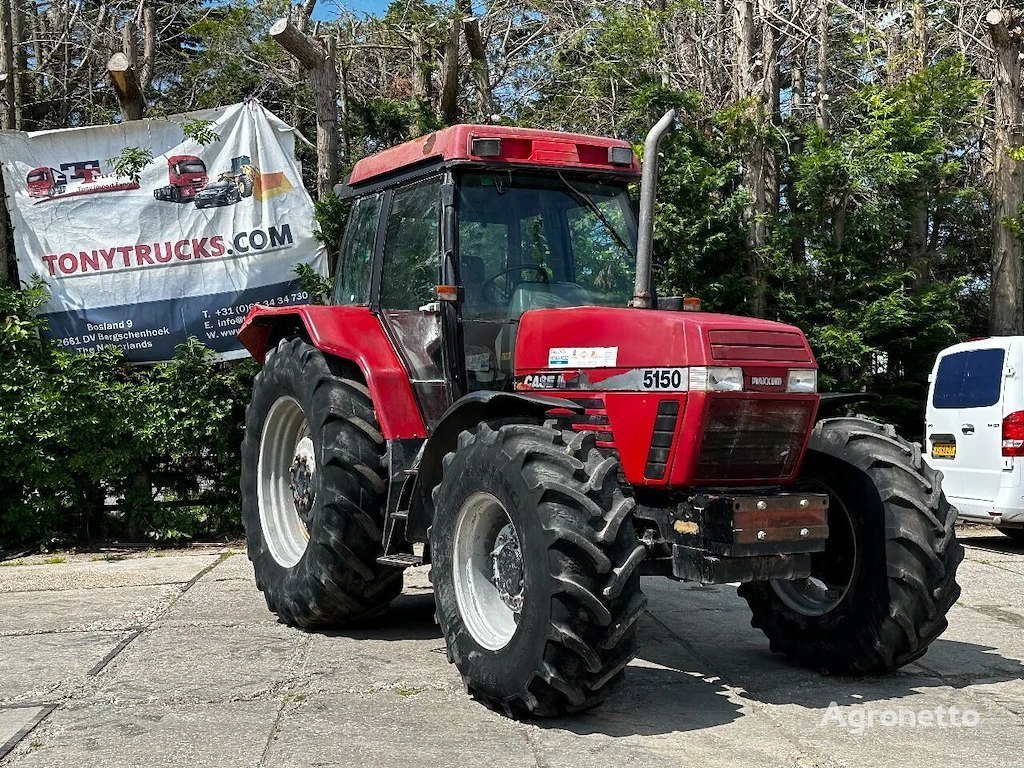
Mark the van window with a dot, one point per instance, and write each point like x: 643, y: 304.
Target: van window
x: 969, y: 379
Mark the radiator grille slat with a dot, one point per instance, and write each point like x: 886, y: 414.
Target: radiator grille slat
x: 752, y: 439
x: 770, y: 346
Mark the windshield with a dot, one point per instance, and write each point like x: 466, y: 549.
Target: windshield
x: 529, y: 241
x: 191, y: 167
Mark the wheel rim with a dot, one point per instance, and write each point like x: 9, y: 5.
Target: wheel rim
x: 286, y: 486
x: 490, y: 582
x: 832, y: 571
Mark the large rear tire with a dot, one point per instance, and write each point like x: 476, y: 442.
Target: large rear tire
x: 313, y: 490
x: 879, y: 593
x: 535, y: 569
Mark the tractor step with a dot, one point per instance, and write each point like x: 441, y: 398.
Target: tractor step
x: 401, y: 560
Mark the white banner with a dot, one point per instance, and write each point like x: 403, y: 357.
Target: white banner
x: 206, y: 232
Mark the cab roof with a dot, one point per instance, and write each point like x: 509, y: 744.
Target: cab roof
x: 526, y: 147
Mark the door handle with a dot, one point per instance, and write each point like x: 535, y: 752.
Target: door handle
x: 967, y: 429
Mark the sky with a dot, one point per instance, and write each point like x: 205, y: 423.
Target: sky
x: 329, y: 10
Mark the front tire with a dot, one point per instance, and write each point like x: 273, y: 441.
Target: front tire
x: 879, y: 593
x: 313, y: 490
x: 535, y: 569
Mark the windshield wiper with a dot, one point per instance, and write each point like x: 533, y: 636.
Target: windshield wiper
x: 585, y: 199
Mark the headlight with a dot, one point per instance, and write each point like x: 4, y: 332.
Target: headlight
x: 802, y: 380
x: 716, y: 379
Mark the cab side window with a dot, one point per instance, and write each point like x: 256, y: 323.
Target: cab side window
x: 352, y: 281
x: 412, y: 247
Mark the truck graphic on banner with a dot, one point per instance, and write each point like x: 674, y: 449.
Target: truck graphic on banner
x: 79, y: 177
x: 187, y: 176
x: 46, y: 182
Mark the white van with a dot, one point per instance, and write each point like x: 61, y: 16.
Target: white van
x: 975, y: 430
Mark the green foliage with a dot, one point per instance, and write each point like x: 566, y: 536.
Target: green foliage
x: 331, y: 214
x: 316, y: 285
x: 130, y: 162
x: 77, y: 430
x: 200, y: 132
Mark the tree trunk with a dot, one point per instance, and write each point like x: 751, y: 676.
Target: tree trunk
x: 1008, y: 174
x: 920, y: 261
x: 7, y: 65
x: 318, y: 57
x: 450, y: 83
x: 38, y: 23
x: 743, y: 27
x: 8, y: 262
x: 798, y: 85
x: 148, y: 47
x: 421, y: 86
x: 343, y: 93
x: 20, y: 62
x: 126, y: 84
x: 756, y: 81
x: 480, y: 70
x: 821, y: 84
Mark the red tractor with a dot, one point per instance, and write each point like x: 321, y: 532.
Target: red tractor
x: 497, y: 391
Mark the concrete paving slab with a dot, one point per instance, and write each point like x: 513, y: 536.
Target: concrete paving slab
x: 676, y: 724
x: 235, y: 567
x: 706, y: 630
x: 227, y: 601
x: 36, y: 666
x: 104, y: 608
x: 400, y: 730
x: 174, y: 664
x: 403, y: 650
x: 13, y: 720
x: 186, y: 736
x: 131, y: 572
x: 922, y: 729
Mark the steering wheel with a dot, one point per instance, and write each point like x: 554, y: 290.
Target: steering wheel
x: 490, y: 289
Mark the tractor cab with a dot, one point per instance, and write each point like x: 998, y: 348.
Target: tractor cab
x: 453, y: 250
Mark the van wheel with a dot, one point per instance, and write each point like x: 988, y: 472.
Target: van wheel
x: 1014, y: 534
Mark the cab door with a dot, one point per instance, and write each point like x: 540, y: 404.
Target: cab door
x: 410, y: 271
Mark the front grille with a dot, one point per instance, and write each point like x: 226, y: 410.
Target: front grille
x: 661, y: 439
x: 752, y: 438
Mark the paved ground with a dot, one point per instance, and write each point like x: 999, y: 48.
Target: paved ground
x: 174, y: 660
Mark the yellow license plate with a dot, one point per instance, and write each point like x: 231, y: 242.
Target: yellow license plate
x: 943, y: 450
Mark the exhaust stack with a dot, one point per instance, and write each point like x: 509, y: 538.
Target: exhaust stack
x: 648, y: 196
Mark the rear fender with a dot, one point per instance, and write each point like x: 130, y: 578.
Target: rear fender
x: 349, y: 333
x: 467, y: 413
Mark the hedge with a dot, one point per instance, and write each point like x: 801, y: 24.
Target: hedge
x: 94, y: 449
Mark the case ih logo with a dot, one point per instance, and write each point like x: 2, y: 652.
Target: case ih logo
x: 766, y: 381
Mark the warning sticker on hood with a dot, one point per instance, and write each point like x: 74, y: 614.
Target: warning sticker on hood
x: 582, y: 357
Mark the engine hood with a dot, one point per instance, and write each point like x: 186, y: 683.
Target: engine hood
x: 580, y: 338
